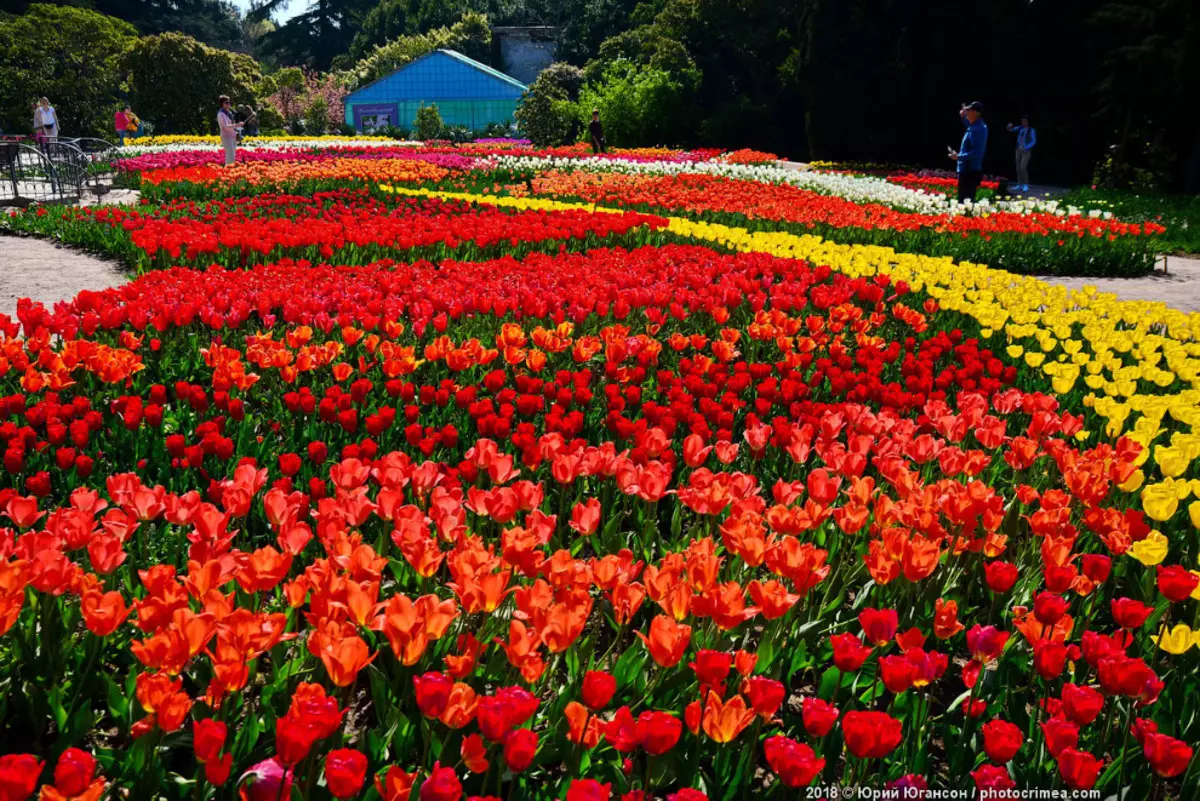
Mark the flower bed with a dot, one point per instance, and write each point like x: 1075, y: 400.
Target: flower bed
x: 594, y: 504
x: 1025, y: 242
x: 348, y: 225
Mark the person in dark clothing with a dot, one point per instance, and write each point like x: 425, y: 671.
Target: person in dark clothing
x: 969, y: 155
x: 596, y: 129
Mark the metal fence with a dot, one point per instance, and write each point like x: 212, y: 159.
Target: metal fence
x: 55, y: 171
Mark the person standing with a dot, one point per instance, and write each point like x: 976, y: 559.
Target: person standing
x: 229, y: 129
x: 49, y: 119
x: 38, y: 134
x: 970, y: 153
x: 596, y: 129
x: 1026, y: 139
x: 133, y: 125
x: 121, y: 124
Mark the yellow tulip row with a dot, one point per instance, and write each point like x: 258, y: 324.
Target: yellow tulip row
x: 1139, y: 361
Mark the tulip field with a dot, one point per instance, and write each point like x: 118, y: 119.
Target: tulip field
x: 486, y: 472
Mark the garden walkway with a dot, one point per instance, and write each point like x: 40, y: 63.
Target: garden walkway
x: 1179, y: 287
x: 47, y: 272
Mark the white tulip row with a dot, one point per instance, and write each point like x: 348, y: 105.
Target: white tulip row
x: 856, y: 188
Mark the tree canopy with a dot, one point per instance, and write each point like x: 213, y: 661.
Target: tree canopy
x: 70, y: 55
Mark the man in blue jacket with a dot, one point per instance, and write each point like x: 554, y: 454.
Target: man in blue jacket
x: 970, y: 152
x: 1026, y: 139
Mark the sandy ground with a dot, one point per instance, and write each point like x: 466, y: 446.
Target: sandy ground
x: 46, y: 272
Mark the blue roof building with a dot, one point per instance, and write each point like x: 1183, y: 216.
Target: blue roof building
x: 465, y: 92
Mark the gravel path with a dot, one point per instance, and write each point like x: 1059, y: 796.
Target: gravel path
x: 46, y: 272
x: 1179, y: 287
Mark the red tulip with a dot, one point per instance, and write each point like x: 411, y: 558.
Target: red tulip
x: 598, y: 689
x: 1176, y: 583
x: 442, y: 785
x: 1081, y: 704
x: 433, y: 693
x: 74, y: 772
x: 1001, y: 740
x: 1049, y: 608
x: 879, y: 626
x: 1060, y: 735
x: 520, y: 747
x: 1167, y: 756
x: 345, y: 772
x: 712, y: 667
x: 849, y: 653
x: 1000, y: 576
x: 1130, y: 614
x: 660, y: 731
x: 819, y: 716
x: 584, y: 790
x: 765, y: 695
x: 1079, y: 769
x: 795, y: 763
x: 19, y: 776
x: 871, y: 735
x: 208, y: 738
x: 993, y: 778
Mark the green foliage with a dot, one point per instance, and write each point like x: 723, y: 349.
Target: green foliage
x: 547, y: 114
x: 470, y: 36
x: 314, y: 37
x: 175, y: 81
x: 214, y: 22
x: 641, y: 105
x: 1180, y: 214
x: 70, y: 55
x: 316, y: 118
x: 428, y: 123
x: 386, y: 21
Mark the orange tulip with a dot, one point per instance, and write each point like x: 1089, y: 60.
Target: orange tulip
x: 945, y: 619
x: 103, y: 613
x: 396, y: 784
x: 668, y: 640
x: 723, y: 722
x: 474, y: 753
x: 345, y: 658
x: 583, y: 728
x: 264, y: 569
x: 460, y: 710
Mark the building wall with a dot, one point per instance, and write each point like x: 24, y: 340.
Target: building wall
x: 464, y: 95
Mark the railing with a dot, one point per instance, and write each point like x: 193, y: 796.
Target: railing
x: 57, y: 171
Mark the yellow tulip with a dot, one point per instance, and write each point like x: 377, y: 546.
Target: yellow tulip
x: 1134, y: 482
x: 1150, y: 551
x: 1176, y: 641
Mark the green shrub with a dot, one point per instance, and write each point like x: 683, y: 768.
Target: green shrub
x: 428, y: 123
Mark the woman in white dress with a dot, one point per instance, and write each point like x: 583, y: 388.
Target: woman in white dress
x: 49, y: 119
x: 228, y: 128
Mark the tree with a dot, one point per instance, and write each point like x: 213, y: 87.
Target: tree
x: 175, y: 81
x: 471, y: 36
x: 1146, y: 93
x: 70, y: 55
x: 640, y: 105
x: 214, y: 22
x: 547, y: 114
x: 316, y: 36
x: 387, y: 21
